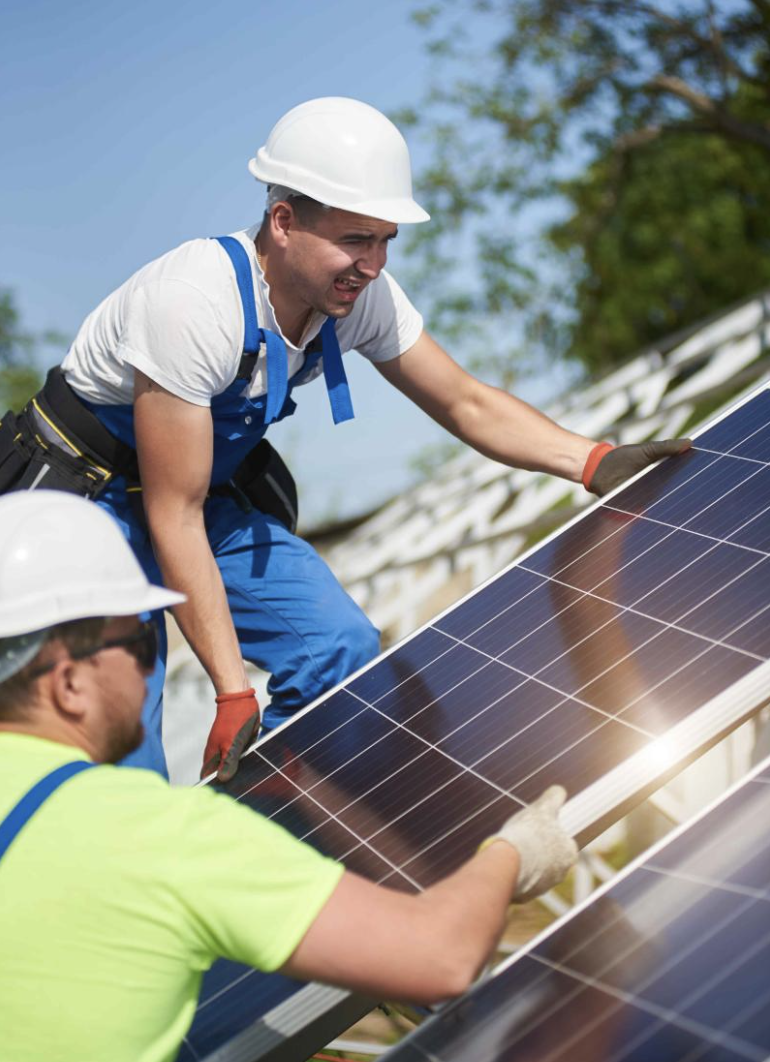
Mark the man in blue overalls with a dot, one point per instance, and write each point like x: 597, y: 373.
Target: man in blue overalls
x: 161, y: 364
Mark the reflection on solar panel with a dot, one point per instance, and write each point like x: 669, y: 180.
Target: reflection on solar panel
x: 587, y: 663
x: 670, y: 963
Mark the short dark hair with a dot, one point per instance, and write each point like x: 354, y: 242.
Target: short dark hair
x: 307, y: 210
x: 16, y: 691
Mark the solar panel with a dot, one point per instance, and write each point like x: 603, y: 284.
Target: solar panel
x: 604, y: 660
x: 668, y: 963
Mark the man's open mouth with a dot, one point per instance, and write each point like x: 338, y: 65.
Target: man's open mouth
x: 345, y: 284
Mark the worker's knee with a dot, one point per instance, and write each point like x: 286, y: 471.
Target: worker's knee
x: 356, y: 643
x: 320, y: 662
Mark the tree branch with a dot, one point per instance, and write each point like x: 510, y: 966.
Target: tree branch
x: 720, y: 119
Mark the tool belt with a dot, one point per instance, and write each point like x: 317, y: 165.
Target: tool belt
x: 57, y: 443
x: 264, y: 480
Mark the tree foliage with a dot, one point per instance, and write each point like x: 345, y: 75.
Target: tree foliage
x: 637, y: 137
x: 19, y: 375
x: 685, y: 232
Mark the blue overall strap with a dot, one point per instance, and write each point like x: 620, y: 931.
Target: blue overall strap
x: 334, y: 374
x: 254, y: 336
x: 21, y: 813
x: 277, y: 375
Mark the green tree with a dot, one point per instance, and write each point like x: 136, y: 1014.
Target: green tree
x: 684, y: 232
x: 637, y: 137
x: 20, y: 377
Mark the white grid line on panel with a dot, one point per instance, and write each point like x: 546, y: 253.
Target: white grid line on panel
x: 711, y: 883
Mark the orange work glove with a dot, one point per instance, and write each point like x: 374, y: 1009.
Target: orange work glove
x: 608, y: 466
x: 235, y: 727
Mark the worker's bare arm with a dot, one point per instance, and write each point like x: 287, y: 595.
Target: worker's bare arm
x: 421, y: 948
x: 174, y: 441
x: 494, y: 423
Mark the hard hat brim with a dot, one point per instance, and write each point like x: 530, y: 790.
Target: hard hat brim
x: 78, y: 605
x: 399, y: 211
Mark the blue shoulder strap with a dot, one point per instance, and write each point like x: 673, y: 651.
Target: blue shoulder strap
x: 334, y: 374
x: 21, y: 813
x: 252, y: 336
x: 277, y: 359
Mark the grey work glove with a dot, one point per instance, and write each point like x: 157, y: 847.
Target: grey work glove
x: 608, y: 466
x: 546, y: 851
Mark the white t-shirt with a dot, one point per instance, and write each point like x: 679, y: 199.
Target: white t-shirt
x: 179, y: 320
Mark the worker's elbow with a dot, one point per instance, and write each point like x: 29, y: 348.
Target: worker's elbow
x: 468, y: 415
x: 450, y: 975
x: 168, y: 517
x: 458, y: 980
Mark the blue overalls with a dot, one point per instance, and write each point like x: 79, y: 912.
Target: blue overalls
x: 20, y: 814
x: 292, y: 617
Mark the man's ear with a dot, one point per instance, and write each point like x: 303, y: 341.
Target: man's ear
x: 282, y: 221
x: 68, y: 688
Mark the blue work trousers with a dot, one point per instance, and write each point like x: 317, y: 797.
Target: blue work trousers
x: 292, y: 617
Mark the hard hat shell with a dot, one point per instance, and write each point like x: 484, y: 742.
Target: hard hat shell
x: 63, y: 558
x: 343, y: 153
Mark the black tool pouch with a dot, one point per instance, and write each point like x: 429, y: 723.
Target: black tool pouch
x: 51, y: 469
x: 28, y: 463
x: 267, y: 483
x: 14, y: 454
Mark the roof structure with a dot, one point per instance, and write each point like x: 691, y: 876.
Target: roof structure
x: 439, y: 540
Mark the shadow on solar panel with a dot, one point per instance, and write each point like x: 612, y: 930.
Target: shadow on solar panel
x: 604, y: 660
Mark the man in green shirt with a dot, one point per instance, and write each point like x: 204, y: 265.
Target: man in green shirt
x: 118, y: 891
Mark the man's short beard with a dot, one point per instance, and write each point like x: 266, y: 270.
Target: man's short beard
x: 119, y: 745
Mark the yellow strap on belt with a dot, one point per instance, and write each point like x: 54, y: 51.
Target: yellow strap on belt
x: 69, y: 442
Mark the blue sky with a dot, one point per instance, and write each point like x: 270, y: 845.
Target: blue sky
x: 126, y: 129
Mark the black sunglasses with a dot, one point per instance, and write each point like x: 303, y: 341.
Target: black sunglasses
x: 142, y: 644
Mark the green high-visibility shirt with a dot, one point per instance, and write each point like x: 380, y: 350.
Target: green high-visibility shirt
x: 120, y: 892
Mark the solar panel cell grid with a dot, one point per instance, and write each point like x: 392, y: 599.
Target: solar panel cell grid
x: 670, y: 965
x: 556, y: 671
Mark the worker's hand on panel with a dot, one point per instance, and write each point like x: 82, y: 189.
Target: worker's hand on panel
x: 608, y: 466
x: 546, y: 851
x: 235, y: 727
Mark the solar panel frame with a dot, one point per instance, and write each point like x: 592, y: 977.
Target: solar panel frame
x: 586, y: 814
x: 433, y: 1041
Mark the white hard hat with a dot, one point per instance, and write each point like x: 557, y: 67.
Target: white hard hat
x: 342, y: 153
x: 63, y: 558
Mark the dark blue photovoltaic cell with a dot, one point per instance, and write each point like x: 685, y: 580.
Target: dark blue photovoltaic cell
x: 664, y: 481
x: 586, y: 563
x: 555, y: 672
x: 528, y: 621
x: 718, y: 479
x: 427, y: 686
x: 633, y: 578
x: 755, y: 447
x: 746, y: 502
x: 733, y: 429
x: 593, y: 653
x: 753, y: 636
x: 670, y: 965
x: 579, y: 544
x: 412, y: 656
x: 697, y: 583
x: 746, y: 596
x: 686, y: 689
x: 488, y: 603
